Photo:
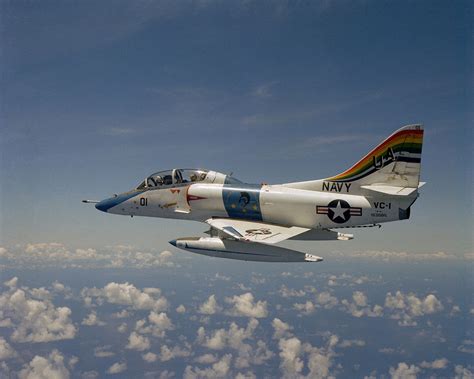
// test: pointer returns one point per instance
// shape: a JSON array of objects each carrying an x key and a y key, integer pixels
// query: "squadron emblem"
[{"x": 339, "y": 211}]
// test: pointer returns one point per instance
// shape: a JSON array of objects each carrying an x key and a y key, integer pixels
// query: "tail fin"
[{"x": 394, "y": 162}]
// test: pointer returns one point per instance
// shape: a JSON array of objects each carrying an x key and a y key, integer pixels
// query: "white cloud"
[
  {"x": 34, "y": 320},
  {"x": 122, "y": 328},
  {"x": 461, "y": 372},
  {"x": 290, "y": 350},
  {"x": 150, "y": 357},
  {"x": 326, "y": 300},
  {"x": 210, "y": 306},
  {"x": 305, "y": 308},
  {"x": 6, "y": 351},
  {"x": 103, "y": 352},
  {"x": 401, "y": 255},
  {"x": 51, "y": 367},
  {"x": 403, "y": 371},
  {"x": 467, "y": 347},
  {"x": 437, "y": 364},
  {"x": 167, "y": 354},
  {"x": 359, "y": 306},
  {"x": 181, "y": 309},
  {"x": 237, "y": 339},
  {"x": 350, "y": 343},
  {"x": 206, "y": 359},
  {"x": 293, "y": 353},
  {"x": 157, "y": 324},
  {"x": 128, "y": 295},
  {"x": 407, "y": 307},
  {"x": 92, "y": 320},
  {"x": 58, "y": 255},
  {"x": 282, "y": 329},
  {"x": 12, "y": 283},
  {"x": 244, "y": 305},
  {"x": 117, "y": 368},
  {"x": 246, "y": 375},
  {"x": 137, "y": 342},
  {"x": 219, "y": 369},
  {"x": 122, "y": 314},
  {"x": 287, "y": 292}
]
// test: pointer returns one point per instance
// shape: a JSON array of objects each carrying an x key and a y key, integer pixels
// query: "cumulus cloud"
[
  {"x": 34, "y": 320},
  {"x": 290, "y": 351},
  {"x": 181, "y": 309},
  {"x": 359, "y": 306},
  {"x": 437, "y": 364},
  {"x": 40, "y": 255},
  {"x": 238, "y": 339},
  {"x": 12, "y": 283},
  {"x": 126, "y": 294},
  {"x": 117, "y": 368},
  {"x": 45, "y": 368},
  {"x": 402, "y": 255},
  {"x": 281, "y": 329},
  {"x": 219, "y": 369},
  {"x": 407, "y": 307},
  {"x": 287, "y": 292},
  {"x": 350, "y": 343},
  {"x": 167, "y": 353},
  {"x": 404, "y": 371},
  {"x": 210, "y": 307},
  {"x": 294, "y": 354},
  {"x": 461, "y": 372},
  {"x": 92, "y": 320},
  {"x": 103, "y": 351},
  {"x": 137, "y": 342},
  {"x": 6, "y": 351},
  {"x": 306, "y": 308},
  {"x": 326, "y": 300},
  {"x": 467, "y": 347},
  {"x": 156, "y": 324},
  {"x": 150, "y": 357},
  {"x": 206, "y": 358},
  {"x": 244, "y": 305}
]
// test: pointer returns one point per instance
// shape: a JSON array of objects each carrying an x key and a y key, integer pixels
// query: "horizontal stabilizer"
[{"x": 390, "y": 190}]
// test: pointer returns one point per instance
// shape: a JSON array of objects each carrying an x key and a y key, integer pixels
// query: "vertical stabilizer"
[{"x": 394, "y": 162}]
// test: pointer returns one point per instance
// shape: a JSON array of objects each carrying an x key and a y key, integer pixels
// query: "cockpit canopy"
[{"x": 174, "y": 177}]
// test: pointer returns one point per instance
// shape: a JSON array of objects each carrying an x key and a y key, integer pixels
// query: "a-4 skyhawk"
[{"x": 247, "y": 220}]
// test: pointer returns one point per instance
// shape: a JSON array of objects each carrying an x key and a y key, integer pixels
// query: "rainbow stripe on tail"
[{"x": 396, "y": 159}]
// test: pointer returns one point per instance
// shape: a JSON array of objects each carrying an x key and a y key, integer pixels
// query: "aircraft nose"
[
  {"x": 172, "y": 242},
  {"x": 103, "y": 205}
]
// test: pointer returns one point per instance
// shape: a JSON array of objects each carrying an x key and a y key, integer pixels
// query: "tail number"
[
  {"x": 383, "y": 159},
  {"x": 382, "y": 205}
]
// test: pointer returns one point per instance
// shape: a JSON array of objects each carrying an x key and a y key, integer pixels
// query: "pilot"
[{"x": 193, "y": 178}]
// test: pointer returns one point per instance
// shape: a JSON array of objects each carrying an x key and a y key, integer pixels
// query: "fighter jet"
[{"x": 247, "y": 220}]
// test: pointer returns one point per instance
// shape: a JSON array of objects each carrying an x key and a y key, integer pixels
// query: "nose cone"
[
  {"x": 103, "y": 205},
  {"x": 172, "y": 242}
]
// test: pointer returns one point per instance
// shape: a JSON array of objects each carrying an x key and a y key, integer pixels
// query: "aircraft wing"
[{"x": 253, "y": 231}]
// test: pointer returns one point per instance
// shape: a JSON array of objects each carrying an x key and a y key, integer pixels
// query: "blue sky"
[
  {"x": 105, "y": 94},
  {"x": 97, "y": 95}
]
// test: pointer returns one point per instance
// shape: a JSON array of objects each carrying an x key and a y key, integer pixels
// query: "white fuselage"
[{"x": 277, "y": 204}]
